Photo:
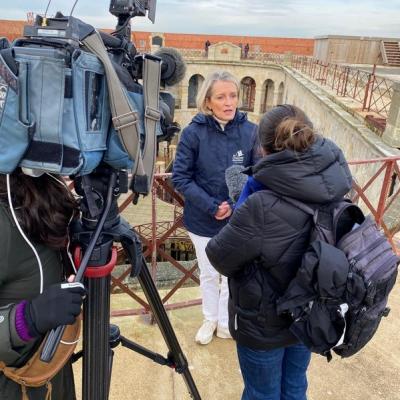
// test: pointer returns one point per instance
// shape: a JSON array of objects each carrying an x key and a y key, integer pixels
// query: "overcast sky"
[{"x": 290, "y": 18}]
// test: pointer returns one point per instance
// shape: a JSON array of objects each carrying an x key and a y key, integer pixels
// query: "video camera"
[
  {"x": 85, "y": 104},
  {"x": 72, "y": 98}
]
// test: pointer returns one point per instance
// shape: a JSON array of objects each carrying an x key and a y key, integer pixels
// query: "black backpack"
[{"x": 340, "y": 292}]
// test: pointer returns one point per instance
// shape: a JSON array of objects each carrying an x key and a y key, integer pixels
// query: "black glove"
[{"x": 59, "y": 304}]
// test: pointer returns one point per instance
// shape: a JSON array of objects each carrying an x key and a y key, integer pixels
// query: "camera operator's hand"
[{"x": 59, "y": 304}]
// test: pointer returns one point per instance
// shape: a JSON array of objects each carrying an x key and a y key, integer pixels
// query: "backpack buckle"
[
  {"x": 152, "y": 113},
  {"x": 124, "y": 120}
]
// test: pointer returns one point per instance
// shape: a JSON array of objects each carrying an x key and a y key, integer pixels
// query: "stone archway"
[
  {"x": 247, "y": 94},
  {"x": 281, "y": 90},
  {"x": 267, "y": 95},
  {"x": 195, "y": 83}
]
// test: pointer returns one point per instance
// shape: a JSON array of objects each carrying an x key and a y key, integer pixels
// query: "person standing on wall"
[
  {"x": 246, "y": 50},
  {"x": 207, "y": 44},
  {"x": 217, "y": 137},
  {"x": 261, "y": 248}
]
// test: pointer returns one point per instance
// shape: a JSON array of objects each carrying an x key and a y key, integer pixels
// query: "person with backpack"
[
  {"x": 261, "y": 248},
  {"x": 35, "y": 213},
  {"x": 218, "y": 137}
]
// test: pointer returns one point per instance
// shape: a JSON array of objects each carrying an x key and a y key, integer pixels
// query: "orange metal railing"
[
  {"x": 383, "y": 179},
  {"x": 373, "y": 92},
  {"x": 386, "y": 177}
]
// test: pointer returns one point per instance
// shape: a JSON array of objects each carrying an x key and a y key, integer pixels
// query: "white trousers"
[{"x": 214, "y": 286}]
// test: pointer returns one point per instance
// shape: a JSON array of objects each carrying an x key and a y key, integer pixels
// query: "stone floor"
[{"x": 373, "y": 374}]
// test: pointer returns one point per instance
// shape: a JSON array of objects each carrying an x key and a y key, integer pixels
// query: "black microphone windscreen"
[
  {"x": 173, "y": 67},
  {"x": 235, "y": 180}
]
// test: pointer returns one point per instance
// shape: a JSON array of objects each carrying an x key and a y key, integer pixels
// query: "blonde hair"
[{"x": 206, "y": 89}]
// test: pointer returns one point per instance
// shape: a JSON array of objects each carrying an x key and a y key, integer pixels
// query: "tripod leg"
[
  {"x": 110, "y": 364},
  {"x": 166, "y": 329},
  {"x": 96, "y": 332}
]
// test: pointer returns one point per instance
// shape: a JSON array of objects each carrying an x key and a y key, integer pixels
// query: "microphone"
[
  {"x": 173, "y": 67},
  {"x": 235, "y": 180}
]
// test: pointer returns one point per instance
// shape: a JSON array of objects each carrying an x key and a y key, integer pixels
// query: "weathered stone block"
[{"x": 391, "y": 135}]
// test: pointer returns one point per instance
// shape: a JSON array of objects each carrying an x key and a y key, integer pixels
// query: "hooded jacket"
[
  {"x": 204, "y": 152},
  {"x": 20, "y": 280},
  {"x": 260, "y": 249}
]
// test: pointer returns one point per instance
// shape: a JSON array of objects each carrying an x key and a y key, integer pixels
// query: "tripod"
[{"x": 96, "y": 237}]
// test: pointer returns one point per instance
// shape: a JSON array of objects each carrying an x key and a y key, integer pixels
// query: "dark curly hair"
[{"x": 44, "y": 207}]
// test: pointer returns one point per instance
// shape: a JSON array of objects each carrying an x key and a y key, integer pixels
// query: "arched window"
[
  {"x": 281, "y": 89},
  {"x": 157, "y": 40},
  {"x": 194, "y": 85},
  {"x": 248, "y": 93},
  {"x": 268, "y": 96}
]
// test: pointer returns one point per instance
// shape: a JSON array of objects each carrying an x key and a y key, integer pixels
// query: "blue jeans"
[{"x": 278, "y": 374}]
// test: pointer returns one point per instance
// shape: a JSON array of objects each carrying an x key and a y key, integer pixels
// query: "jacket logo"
[{"x": 238, "y": 157}]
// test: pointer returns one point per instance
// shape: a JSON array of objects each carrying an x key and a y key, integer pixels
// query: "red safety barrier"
[
  {"x": 388, "y": 172},
  {"x": 372, "y": 92},
  {"x": 384, "y": 178}
]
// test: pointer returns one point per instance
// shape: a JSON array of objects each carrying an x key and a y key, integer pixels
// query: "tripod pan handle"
[{"x": 51, "y": 344}]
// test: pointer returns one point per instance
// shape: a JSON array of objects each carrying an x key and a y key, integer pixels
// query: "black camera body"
[
  {"x": 61, "y": 95},
  {"x": 59, "y": 27},
  {"x": 134, "y": 8}
]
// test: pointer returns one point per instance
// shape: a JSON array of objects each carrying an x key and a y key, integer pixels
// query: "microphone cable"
[{"x": 10, "y": 203}]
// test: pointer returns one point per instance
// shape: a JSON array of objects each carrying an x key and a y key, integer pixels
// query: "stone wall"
[
  {"x": 329, "y": 116},
  {"x": 13, "y": 29},
  {"x": 348, "y": 49},
  {"x": 333, "y": 121},
  {"x": 258, "y": 71}
]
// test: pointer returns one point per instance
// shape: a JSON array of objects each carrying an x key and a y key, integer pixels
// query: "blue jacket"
[
  {"x": 251, "y": 186},
  {"x": 204, "y": 152}
]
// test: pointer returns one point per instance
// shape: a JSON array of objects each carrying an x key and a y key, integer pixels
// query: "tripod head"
[
  {"x": 93, "y": 189},
  {"x": 100, "y": 191}
]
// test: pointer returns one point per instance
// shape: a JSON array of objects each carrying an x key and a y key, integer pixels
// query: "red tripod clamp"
[{"x": 96, "y": 271}]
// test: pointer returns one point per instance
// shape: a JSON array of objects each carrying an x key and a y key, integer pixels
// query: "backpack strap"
[
  {"x": 151, "y": 89},
  {"x": 345, "y": 215},
  {"x": 297, "y": 203},
  {"x": 125, "y": 116},
  {"x": 333, "y": 220},
  {"x": 302, "y": 206},
  {"x": 322, "y": 218}
]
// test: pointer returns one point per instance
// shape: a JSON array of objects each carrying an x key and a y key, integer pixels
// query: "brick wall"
[
  {"x": 263, "y": 44},
  {"x": 14, "y": 29},
  {"x": 11, "y": 29}
]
